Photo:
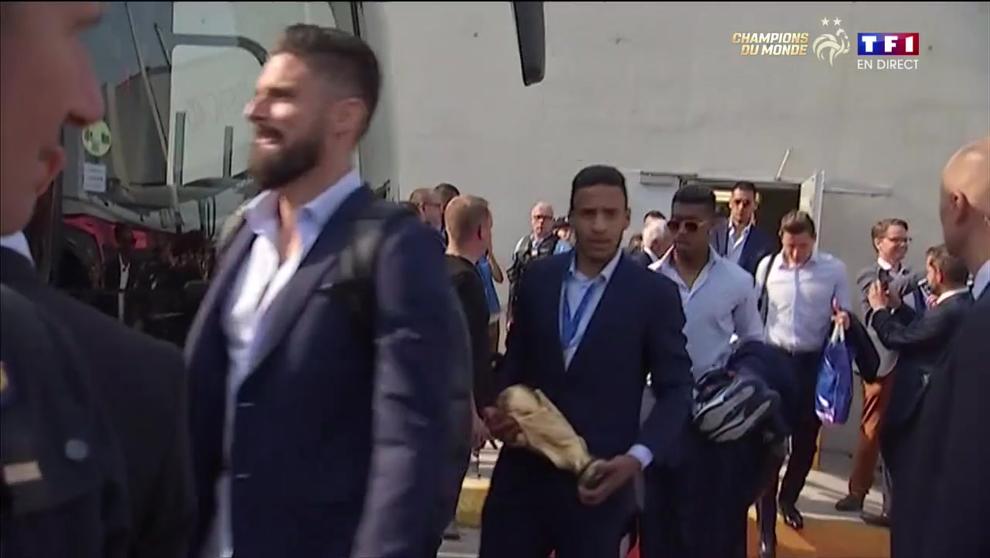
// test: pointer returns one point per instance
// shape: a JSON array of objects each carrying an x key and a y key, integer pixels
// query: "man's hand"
[
  {"x": 878, "y": 296},
  {"x": 502, "y": 426},
  {"x": 616, "y": 472},
  {"x": 479, "y": 433},
  {"x": 893, "y": 298},
  {"x": 840, "y": 316}
]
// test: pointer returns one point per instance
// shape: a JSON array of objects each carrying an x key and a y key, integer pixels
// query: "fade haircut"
[
  {"x": 695, "y": 194},
  {"x": 464, "y": 215},
  {"x": 598, "y": 175},
  {"x": 745, "y": 187},
  {"x": 345, "y": 61}
]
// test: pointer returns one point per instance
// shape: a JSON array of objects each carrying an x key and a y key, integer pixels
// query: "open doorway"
[{"x": 775, "y": 200}]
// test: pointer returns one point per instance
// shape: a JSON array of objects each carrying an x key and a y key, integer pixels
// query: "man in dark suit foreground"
[
  {"x": 739, "y": 240},
  {"x": 589, "y": 326},
  {"x": 107, "y": 403},
  {"x": 142, "y": 383},
  {"x": 321, "y": 357},
  {"x": 943, "y": 508},
  {"x": 923, "y": 341}
]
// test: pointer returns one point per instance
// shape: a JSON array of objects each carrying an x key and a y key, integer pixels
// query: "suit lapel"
[
  {"x": 289, "y": 302},
  {"x": 207, "y": 320},
  {"x": 551, "y": 309},
  {"x": 15, "y": 268}
]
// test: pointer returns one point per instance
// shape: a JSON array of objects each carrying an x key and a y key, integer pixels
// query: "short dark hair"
[
  {"x": 797, "y": 222},
  {"x": 880, "y": 228},
  {"x": 340, "y": 57},
  {"x": 598, "y": 175},
  {"x": 953, "y": 267},
  {"x": 745, "y": 187},
  {"x": 654, "y": 214},
  {"x": 447, "y": 190},
  {"x": 695, "y": 194}
]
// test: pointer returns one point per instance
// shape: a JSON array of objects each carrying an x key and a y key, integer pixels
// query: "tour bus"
[{"x": 130, "y": 226}]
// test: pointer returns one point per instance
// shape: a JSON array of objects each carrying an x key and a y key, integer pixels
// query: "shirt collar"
[
  {"x": 606, "y": 273},
  {"x": 785, "y": 265},
  {"x": 18, "y": 243},
  {"x": 887, "y": 266},
  {"x": 982, "y": 280},
  {"x": 261, "y": 213},
  {"x": 947, "y": 295},
  {"x": 732, "y": 227},
  {"x": 667, "y": 263}
]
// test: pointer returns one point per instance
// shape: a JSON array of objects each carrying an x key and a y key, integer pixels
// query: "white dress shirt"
[
  {"x": 18, "y": 243},
  {"x": 734, "y": 245},
  {"x": 799, "y": 300},
  {"x": 260, "y": 279},
  {"x": 721, "y": 304},
  {"x": 574, "y": 288},
  {"x": 982, "y": 280},
  {"x": 649, "y": 254}
]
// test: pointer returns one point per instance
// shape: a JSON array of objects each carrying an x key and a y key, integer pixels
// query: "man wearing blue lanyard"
[{"x": 589, "y": 326}]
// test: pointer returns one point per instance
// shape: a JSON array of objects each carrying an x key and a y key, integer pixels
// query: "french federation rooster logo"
[{"x": 831, "y": 45}]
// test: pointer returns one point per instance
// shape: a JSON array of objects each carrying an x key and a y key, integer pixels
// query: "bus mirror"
[{"x": 531, "y": 33}]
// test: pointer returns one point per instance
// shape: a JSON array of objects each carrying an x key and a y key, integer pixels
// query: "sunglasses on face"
[
  {"x": 542, "y": 217},
  {"x": 675, "y": 225}
]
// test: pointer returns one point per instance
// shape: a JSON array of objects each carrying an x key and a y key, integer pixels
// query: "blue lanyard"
[{"x": 569, "y": 323}]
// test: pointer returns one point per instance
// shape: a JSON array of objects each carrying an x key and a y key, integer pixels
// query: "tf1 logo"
[{"x": 887, "y": 44}]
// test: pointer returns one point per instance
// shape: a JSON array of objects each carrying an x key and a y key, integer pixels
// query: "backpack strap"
[
  {"x": 764, "y": 301},
  {"x": 358, "y": 260}
]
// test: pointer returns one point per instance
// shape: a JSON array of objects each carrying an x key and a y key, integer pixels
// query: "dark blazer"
[
  {"x": 70, "y": 497},
  {"x": 944, "y": 511},
  {"x": 636, "y": 328},
  {"x": 142, "y": 381},
  {"x": 337, "y": 434},
  {"x": 758, "y": 245},
  {"x": 923, "y": 342},
  {"x": 641, "y": 258}
]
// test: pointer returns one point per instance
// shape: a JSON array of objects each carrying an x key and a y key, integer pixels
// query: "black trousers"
[
  {"x": 698, "y": 507},
  {"x": 804, "y": 442},
  {"x": 532, "y": 509}
]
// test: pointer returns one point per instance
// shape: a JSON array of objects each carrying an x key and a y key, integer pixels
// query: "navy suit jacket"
[
  {"x": 758, "y": 245},
  {"x": 337, "y": 437},
  {"x": 924, "y": 342},
  {"x": 636, "y": 329},
  {"x": 944, "y": 510}
]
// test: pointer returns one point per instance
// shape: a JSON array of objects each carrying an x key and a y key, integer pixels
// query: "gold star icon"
[
  {"x": 824, "y": 22},
  {"x": 836, "y": 21}
]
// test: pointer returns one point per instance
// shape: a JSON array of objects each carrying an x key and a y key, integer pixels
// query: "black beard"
[{"x": 274, "y": 171}]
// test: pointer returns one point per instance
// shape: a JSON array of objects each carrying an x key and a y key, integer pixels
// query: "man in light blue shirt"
[{"x": 719, "y": 301}]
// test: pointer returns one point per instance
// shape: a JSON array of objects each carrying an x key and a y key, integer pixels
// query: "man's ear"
[{"x": 348, "y": 116}]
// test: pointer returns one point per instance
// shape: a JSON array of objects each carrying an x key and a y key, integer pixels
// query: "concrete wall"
[{"x": 660, "y": 87}]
